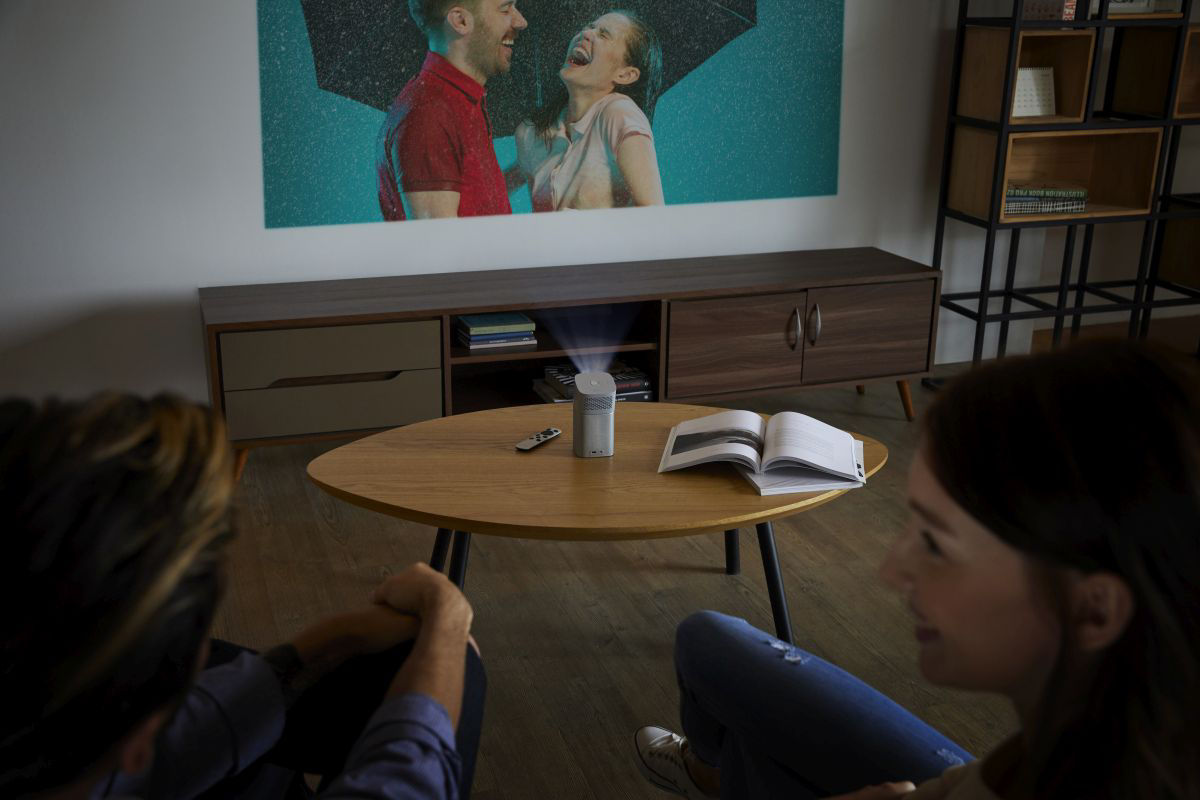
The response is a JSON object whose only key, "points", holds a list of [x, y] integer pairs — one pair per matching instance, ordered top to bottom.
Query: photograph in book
{"points": [[689, 442], [789, 452]]}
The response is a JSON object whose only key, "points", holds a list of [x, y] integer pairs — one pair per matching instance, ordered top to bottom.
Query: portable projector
{"points": [[592, 420]]}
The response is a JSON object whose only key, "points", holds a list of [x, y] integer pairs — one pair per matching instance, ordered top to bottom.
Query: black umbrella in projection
{"points": [[366, 50]]}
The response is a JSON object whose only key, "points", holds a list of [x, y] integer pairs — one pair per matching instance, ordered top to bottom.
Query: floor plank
{"points": [[577, 636]]}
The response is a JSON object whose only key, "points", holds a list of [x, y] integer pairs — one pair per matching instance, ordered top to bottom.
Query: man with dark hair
{"points": [[435, 156], [117, 513]]}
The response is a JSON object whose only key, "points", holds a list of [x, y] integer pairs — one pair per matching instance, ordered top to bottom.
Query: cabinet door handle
{"points": [[798, 326], [814, 326]]}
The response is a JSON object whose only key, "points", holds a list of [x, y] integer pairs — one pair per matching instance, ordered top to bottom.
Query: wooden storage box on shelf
{"points": [[985, 54], [1145, 60], [1187, 103], [1117, 167], [344, 378]]}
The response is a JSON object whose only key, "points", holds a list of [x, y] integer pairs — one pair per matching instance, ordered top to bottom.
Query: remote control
{"points": [[538, 438]]}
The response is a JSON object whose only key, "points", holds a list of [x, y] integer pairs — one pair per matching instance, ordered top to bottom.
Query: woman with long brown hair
{"points": [[590, 145], [1052, 556]]}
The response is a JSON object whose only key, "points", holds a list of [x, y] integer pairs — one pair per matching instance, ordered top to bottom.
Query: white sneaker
{"points": [[660, 758]]}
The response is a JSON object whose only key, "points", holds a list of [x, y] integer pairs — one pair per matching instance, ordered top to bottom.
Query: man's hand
{"points": [[425, 593], [371, 630], [323, 646], [438, 659], [882, 791]]}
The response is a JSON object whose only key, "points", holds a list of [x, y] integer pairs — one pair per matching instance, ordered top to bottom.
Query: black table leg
{"points": [[766, 543], [441, 545], [733, 555], [458, 558]]}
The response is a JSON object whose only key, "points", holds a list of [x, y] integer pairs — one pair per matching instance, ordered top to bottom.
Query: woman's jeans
{"points": [[780, 722]]}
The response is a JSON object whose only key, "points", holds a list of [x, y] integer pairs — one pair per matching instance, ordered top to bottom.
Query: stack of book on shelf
{"points": [[1050, 9], [1025, 199], [486, 333], [558, 383]]}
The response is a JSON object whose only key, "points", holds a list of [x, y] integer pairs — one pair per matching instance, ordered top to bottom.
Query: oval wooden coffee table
{"points": [[462, 474]]}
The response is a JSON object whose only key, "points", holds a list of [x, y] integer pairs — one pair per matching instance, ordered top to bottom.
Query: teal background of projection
{"points": [[758, 120]]}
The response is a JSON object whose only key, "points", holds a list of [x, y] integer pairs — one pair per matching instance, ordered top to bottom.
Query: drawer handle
{"points": [[814, 327], [798, 328], [329, 380]]}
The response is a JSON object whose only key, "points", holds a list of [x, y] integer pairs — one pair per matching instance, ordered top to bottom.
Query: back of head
{"points": [[1088, 459], [117, 509]]}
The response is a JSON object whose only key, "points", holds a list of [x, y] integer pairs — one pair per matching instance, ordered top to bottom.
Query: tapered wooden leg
{"points": [[861, 389], [906, 399], [240, 456], [733, 553]]}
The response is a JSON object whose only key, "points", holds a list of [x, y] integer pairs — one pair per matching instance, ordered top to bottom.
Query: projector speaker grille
{"points": [[597, 404]]}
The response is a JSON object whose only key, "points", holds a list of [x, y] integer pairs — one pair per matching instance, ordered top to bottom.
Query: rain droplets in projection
{"points": [[751, 108]]}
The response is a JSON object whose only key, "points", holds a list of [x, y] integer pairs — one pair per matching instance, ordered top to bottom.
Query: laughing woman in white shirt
{"points": [[591, 145]]}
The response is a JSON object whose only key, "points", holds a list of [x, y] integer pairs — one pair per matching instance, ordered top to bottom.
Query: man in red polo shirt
{"points": [[435, 155]]}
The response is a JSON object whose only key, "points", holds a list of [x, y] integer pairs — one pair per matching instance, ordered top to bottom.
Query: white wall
{"points": [[132, 174]]}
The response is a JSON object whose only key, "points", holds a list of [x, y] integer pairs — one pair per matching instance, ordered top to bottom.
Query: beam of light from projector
{"points": [[581, 331]]}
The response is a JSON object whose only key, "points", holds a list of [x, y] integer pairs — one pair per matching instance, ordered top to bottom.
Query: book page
{"points": [[728, 436], [799, 440], [791, 479]]}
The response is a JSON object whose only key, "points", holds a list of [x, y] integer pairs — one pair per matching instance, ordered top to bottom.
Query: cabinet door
{"points": [[855, 332], [734, 344]]}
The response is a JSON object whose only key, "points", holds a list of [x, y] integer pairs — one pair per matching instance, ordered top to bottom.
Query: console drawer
{"points": [[260, 359], [410, 396]]}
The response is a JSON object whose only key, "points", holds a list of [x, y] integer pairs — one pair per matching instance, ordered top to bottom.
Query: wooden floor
{"points": [[576, 636]]}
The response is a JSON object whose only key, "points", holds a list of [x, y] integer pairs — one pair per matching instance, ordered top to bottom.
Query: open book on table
{"points": [[789, 453]]}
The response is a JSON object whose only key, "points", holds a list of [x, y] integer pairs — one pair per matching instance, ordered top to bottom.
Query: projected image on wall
{"points": [[396, 110]]}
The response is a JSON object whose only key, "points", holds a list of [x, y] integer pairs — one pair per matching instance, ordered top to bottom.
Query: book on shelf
{"points": [[1050, 9], [1059, 190], [1017, 206], [499, 322], [482, 338], [524, 341], [561, 378], [551, 396], [788, 453]]}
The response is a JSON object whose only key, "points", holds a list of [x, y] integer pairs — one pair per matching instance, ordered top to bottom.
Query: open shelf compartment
{"points": [[985, 54], [1143, 61], [1117, 167], [576, 331], [485, 385]]}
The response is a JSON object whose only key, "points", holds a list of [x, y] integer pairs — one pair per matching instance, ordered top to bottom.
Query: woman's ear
{"points": [[627, 75], [1103, 605]]}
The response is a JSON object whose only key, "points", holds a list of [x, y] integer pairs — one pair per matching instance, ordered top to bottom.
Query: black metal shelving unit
{"points": [[1069, 296]]}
